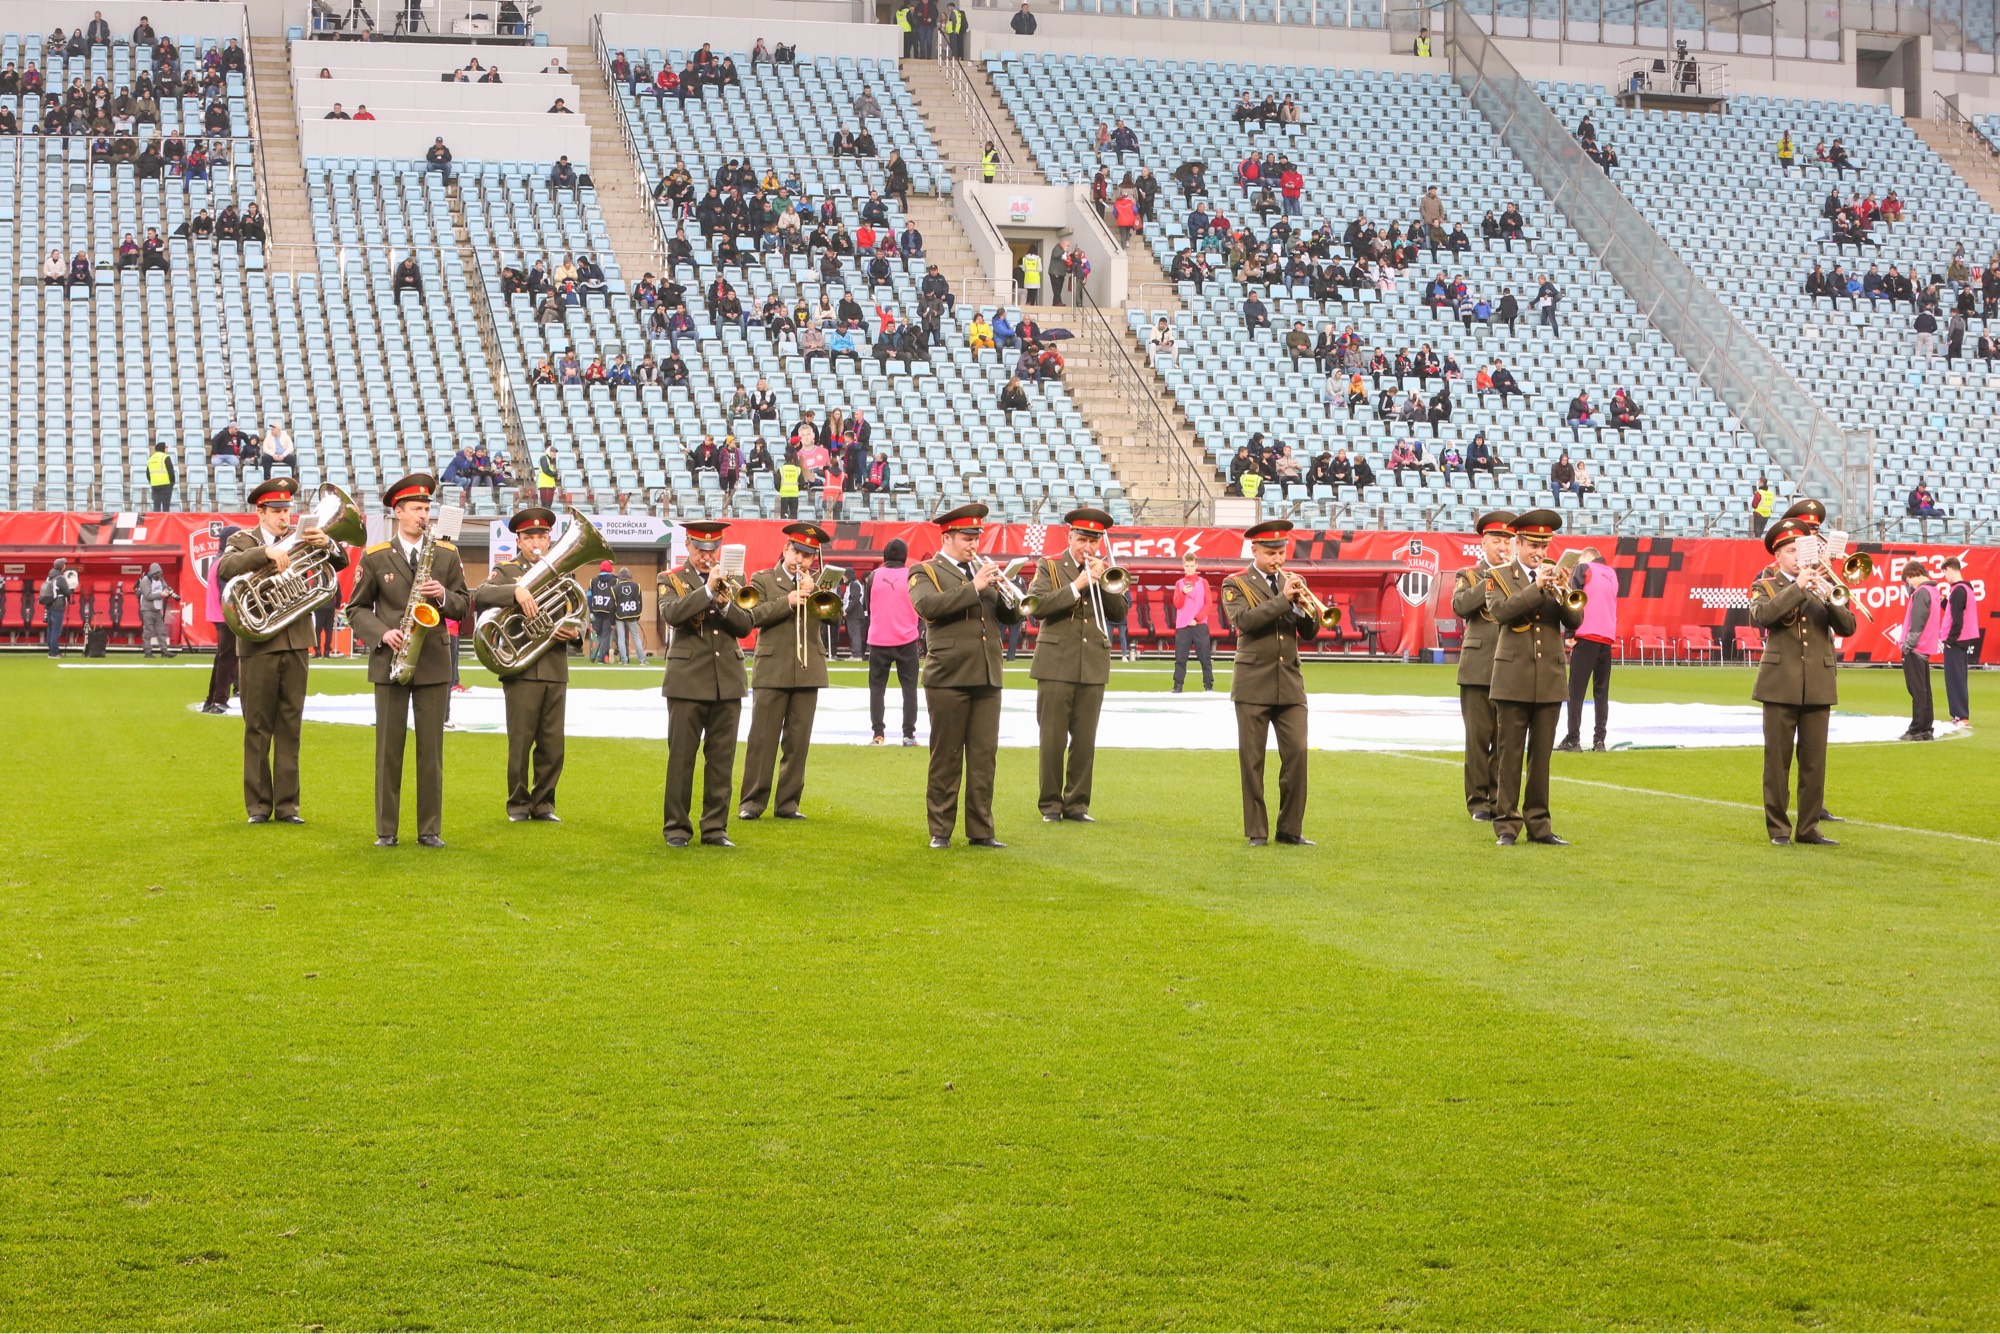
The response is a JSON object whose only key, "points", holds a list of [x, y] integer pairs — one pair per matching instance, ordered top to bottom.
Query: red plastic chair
{"points": [[1651, 639], [1749, 641], [1701, 643]]}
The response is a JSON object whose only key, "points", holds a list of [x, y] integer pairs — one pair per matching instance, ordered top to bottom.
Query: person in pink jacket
{"points": [[1590, 658]]}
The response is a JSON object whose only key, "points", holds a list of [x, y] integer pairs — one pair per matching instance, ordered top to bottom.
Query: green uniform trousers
{"points": [[273, 687], [1475, 706], [535, 712], [1068, 715], [778, 717], [392, 720], [1254, 723], [707, 726], [1790, 729], [1524, 732], [965, 744]]}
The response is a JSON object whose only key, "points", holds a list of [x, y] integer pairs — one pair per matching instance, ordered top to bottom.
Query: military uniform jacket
{"points": [[246, 553], [498, 591], [382, 593], [779, 626], [962, 626], [1268, 632], [1482, 632], [1069, 646], [705, 661], [1800, 661], [1529, 666]]}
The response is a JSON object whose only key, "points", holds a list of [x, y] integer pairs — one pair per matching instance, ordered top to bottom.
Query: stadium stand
{"points": [[1234, 382], [941, 419], [1933, 419]]}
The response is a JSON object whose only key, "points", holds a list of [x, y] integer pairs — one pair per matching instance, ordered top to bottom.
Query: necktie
{"points": [[965, 568], [1272, 580]]}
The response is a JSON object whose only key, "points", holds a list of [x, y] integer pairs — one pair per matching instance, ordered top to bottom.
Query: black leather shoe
{"points": [[214, 708], [1568, 745], [1598, 745], [745, 813], [791, 815], [549, 817], [1484, 817], [1828, 817], [1085, 818], [260, 819], [289, 819], [519, 819], [1051, 819], [677, 840], [1297, 840], [1548, 840], [1781, 840], [1820, 840], [386, 841], [429, 841], [719, 841], [1504, 841], [940, 842], [985, 842], [1259, 842]]}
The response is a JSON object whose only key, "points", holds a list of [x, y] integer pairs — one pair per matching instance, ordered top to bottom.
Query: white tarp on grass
{"points": [[1148, 720]]}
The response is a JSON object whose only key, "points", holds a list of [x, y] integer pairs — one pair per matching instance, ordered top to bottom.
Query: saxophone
{"points": [[419, 617]]}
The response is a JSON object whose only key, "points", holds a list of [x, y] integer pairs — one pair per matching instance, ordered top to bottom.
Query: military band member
{"points": [[1810, 515], [382, 591], [957, 595], [1525, 597], [1264, 605], [1475, 659], [1072, 662], [272, 672], [788, 673], [1796, 682], [704, 687], [538, 695]]}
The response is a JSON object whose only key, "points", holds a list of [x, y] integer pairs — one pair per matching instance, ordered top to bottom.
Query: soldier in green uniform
{"points": [[1810, 515], [382, 591], [957, 595], [1264, 605], [1475, 659], [1072, 662], [789, 671], [272, 672], [1530, 677], [1796, 682], [704, 687], [538, 694]]}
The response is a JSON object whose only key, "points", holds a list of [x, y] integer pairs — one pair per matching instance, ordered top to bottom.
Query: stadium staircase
{"points": [[1965, 151], [284, 179], [628, 213], [1145, 436]]}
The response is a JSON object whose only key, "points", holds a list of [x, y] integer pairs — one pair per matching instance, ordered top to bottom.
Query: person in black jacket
{"points": [[1024, 21], [602, 601]]}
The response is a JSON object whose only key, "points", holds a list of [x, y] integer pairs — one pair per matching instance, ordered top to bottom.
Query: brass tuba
{"points": [[260, 604], [507, 640]]}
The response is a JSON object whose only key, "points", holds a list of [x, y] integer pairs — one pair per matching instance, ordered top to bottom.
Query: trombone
{"points": [[1857, 565], [1308, 602]]}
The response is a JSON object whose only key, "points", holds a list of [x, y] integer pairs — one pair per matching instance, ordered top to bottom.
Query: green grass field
{"points": [[1134, 1075]]}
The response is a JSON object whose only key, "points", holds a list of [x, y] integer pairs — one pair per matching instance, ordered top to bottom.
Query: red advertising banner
{"points": [[1393, 588]]}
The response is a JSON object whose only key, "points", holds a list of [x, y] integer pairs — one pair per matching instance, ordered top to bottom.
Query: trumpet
{"points": [[731, 564], [1010, 592], [1573, 598], [1308, 602]]}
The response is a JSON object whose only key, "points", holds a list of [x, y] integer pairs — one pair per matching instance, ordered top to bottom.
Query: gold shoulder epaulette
{"points": [[380, 546], [448, 546], [931, 575]]}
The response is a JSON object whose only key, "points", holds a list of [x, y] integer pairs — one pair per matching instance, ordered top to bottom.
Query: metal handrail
{"points": [[972, 104], [1966, 135], [639, 183], [1135, 382], [1822, 456]]}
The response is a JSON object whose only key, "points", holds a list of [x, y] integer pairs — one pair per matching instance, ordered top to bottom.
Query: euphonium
{"points": [[825, 599], [260, 604], [506, 640]]}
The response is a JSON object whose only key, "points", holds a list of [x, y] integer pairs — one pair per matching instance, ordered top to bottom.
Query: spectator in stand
{"points": [[1024, 21], [336, 114], [437, 158], [1838, 159], [562, 176], [407, 278], [1548, 297], [1510, 309], [1255, 314], [1926, 327], [1161, 343], [1505, 384], [1013, 399], [1625, 412], [1580, 415], [276, 451], [1479, 457], [1562, 477], [1585, 484], [1923, 504], [1962, 634], [1590, 658]]}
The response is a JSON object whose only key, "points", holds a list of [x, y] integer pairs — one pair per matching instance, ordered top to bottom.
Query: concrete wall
{"points": [[176, 18], [730, 28], [425, 97], [476, 139], [1047, 214]]}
